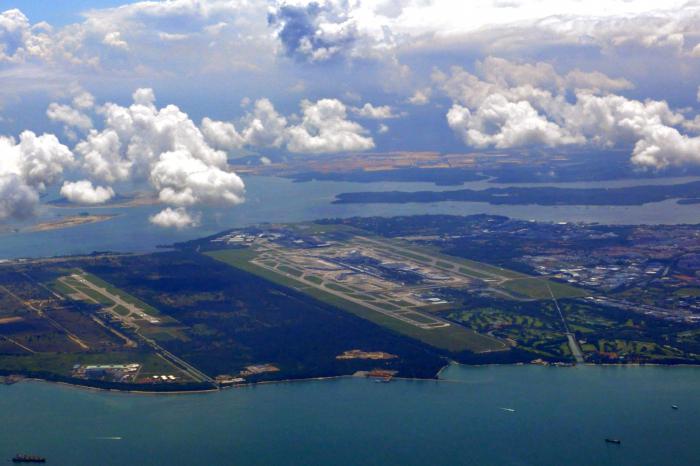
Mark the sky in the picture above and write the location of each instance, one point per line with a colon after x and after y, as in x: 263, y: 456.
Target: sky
x: 57, y: 13
x: 164, y: 94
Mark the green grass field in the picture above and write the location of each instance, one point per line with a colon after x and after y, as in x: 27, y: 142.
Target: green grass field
x: 94, y: 295
x: 314, y: 279
x: 290, y: 270
x: 536, y: 288
x: 453, y: 338
x: 147, y: 308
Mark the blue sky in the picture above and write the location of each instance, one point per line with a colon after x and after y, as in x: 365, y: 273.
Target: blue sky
x: 58, y: 13
x: 162, y: 93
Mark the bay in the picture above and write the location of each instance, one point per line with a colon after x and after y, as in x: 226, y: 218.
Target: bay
x: 272, y: 199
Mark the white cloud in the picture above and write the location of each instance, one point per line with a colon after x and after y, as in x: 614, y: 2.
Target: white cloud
x: 380, y: 112
x: 172, y: 37
x: 264, y: 126
x: 175, y: 218
x: 325, y: 128
x: 134, y: 137
x: 20, y: 40
x: 83, y: 192
x: 221, y: 135
x: 68, y: 116
x: 114, y: 39
x: 83, y: 100
x: 383, y: 129
x: 181, y: 179
x: 27, y: 168
x: 38, y: 160
x: 163, y: 147
x: 246, y: 34
x: 421, y: 96
x: 501, y: 123
x: 322, y: 128
x: 102, y: 156
x: 17, y: 199
x: 513, y: 105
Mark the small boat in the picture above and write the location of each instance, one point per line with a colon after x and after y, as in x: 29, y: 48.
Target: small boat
x: 674, y: 406
x: 613, y: 440
x: 28, y: 459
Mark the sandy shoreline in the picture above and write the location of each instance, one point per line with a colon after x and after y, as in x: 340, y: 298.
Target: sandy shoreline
x: 69, y: 222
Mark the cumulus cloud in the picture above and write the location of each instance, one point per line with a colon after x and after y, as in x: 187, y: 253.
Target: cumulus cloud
x: 322, y: 128
x: 17, y: 199
x: 314, y: 32
x: 325, y: 128
x: 513, y: 105
x: 20, y: 40
x: 380, y: 112
x: 420, y: 96
x: 501, y: 123
x: 175, y: 218
x: 37, y: 160
x: 184, y: 180
x: 134, y: 137
x: 220, y: 134
x: 162, y: 147
x: 114, y: 40
x: 68, y: 116
x: 83, y: 100
x: 27, y: 168
x: 265, y: 127
x: 83, y: 192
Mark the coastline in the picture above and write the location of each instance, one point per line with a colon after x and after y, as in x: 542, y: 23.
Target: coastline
x: 436, y: 378
x: 71, y: 221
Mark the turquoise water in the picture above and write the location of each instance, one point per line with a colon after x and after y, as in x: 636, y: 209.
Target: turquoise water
x: 562, y: 416
x: 271, y: 199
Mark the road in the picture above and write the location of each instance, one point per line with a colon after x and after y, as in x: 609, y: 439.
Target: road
x: 570, y: 337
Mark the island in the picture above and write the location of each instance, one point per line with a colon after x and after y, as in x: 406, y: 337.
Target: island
x: 548, y: 196
x: 69, y: 222
x: 367, y: 297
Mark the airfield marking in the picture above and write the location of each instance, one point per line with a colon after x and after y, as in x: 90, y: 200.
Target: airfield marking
x: 436, y: 322
x: 407, y: 253
x: 181, y: 364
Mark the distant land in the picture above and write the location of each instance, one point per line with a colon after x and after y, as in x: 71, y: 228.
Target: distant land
x: 120, y: 200
x: 69, y: 222
x: 439, y: 176
x: 521, y: 166
x: 632, y: 195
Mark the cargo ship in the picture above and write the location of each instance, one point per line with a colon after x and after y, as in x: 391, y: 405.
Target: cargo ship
x: 28, y: 459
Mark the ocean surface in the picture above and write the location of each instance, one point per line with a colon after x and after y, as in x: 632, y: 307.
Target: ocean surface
x: 271, y: 199
x: 508, y: 415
